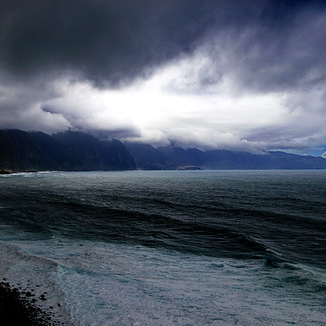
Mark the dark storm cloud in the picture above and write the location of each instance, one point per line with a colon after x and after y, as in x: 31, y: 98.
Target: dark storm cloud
x: 280, y: 47
x: 101, y: 40
x: 108, y: 41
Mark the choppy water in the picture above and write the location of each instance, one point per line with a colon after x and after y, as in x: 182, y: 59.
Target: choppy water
x: 169, y: 247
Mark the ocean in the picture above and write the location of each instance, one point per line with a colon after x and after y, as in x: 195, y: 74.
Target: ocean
x: 168, y: 247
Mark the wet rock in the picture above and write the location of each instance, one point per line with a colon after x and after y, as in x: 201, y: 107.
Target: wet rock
x: 17, y: 309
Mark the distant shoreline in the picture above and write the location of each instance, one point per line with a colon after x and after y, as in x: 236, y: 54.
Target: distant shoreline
x: 9, y: 172
x: 77, y: 151
x: 5, y: 171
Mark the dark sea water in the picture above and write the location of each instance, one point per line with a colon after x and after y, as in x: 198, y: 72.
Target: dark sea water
x: 168, y: 247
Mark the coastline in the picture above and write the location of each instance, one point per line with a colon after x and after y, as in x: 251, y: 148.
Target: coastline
x: 5, y: 171
x: 17, y: 308
x: 8, y: 171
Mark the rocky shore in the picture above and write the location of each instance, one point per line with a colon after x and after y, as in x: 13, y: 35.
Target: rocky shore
x: 4, y: 171
x: 17, y: 308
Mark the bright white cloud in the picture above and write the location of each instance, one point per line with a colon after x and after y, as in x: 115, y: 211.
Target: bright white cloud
x: 175, y: 104
x: 188, y: 101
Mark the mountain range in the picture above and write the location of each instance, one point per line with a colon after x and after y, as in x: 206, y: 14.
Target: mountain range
x: 78, y: 151
x: 68, y: 151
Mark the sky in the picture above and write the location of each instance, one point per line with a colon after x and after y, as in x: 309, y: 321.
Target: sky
x: 211, y: 74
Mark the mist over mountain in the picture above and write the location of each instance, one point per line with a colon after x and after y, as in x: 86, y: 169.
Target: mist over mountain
x: 78, y: 151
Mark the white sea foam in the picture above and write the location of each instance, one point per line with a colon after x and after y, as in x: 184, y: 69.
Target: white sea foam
x: 109, y: 284
x: 102, y: 284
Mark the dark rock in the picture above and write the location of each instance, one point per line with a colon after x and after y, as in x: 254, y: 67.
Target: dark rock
x: 17, y: 310
x: 3, y: 171
x: 42, y: 297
